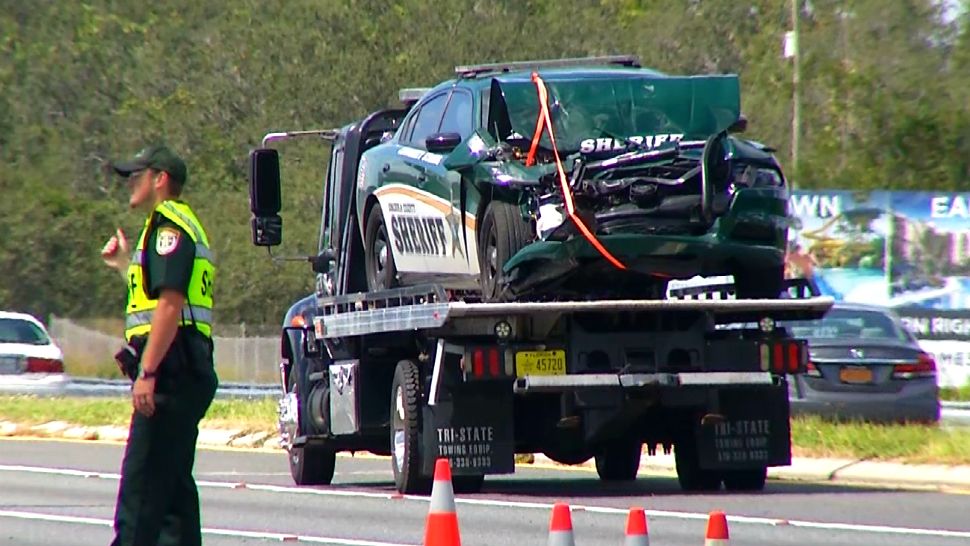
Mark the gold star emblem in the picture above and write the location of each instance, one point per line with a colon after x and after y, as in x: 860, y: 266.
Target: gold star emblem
x: 455, y: 242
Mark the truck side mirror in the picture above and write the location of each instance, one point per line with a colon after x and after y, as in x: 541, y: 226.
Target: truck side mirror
x: 442, y: 143
x: 264, y: 197
x: 323, y: 262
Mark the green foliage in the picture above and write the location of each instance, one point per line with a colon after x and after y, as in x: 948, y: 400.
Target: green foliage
x: 885, y: 103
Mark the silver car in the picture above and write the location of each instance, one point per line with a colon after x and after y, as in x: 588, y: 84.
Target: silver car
x: 864, y: 365
x: 30, y: 361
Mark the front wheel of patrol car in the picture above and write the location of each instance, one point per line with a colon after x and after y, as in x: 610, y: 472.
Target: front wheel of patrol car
x: 378, y: 258
x: 405, y: 430
x: 503, y: 233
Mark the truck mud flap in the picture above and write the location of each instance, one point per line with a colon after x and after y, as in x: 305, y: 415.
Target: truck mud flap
x: 475, y: 432
x: 755, y: 430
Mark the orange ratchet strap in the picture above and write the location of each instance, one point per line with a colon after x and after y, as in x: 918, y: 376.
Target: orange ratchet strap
x: 545, y: 121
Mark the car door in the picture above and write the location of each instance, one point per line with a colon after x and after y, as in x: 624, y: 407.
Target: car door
x: 414, y: 200
x: 462, y: 245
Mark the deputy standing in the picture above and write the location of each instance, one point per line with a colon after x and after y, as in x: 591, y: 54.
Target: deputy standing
x: 169, y: 314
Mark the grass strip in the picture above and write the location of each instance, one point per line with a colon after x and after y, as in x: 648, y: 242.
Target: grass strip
x: 257, y: 414
x: 811, y: 436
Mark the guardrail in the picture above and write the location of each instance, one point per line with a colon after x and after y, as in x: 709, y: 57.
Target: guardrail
x: 953, y: 413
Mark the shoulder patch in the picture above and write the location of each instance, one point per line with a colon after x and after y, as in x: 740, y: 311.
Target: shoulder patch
x: 167, y: 240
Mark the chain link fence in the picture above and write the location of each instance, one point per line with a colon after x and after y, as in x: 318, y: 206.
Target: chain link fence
x: 252, y: 357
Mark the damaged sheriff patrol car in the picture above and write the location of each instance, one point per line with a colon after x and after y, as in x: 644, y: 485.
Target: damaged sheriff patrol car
x: 579, y: 178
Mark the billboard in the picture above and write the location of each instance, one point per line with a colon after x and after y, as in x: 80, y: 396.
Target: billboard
x: 906, y: 250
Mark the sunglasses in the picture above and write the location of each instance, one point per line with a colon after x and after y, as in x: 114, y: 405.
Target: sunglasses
x: 135, y: 176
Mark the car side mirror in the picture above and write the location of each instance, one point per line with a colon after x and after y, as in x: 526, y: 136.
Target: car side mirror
x: 442, y: 143
x: 264, y: 197
x: 740, y: 125
x: 323, y: 262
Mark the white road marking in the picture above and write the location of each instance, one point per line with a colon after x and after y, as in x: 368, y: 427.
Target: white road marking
x: 239, y: 533
x: 772, y: 522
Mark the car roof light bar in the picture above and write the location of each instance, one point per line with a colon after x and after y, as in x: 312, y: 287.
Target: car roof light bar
x: 470, y: 71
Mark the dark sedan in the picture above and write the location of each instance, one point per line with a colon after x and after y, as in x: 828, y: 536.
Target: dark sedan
x: 864, y: 365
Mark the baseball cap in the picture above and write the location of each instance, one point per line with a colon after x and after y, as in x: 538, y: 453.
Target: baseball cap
x: 158, y: 157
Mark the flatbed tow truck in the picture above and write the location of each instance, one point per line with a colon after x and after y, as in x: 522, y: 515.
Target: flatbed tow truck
x: 422, y: 372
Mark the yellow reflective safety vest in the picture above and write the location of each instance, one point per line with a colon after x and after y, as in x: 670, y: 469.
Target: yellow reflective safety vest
x: 198, y: 305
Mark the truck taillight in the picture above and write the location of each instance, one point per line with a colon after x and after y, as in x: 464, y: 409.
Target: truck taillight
x: 784, y: 357
x: 812, y: 370
x: 925, y: 366
x: 44, y: 365
x: 478, y: 362
x: 486, y: 363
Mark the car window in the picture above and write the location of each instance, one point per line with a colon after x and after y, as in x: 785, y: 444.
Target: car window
x: 21, y: 331
x: 458, y: 115
x: 850, y: 323
x: 426, y: 123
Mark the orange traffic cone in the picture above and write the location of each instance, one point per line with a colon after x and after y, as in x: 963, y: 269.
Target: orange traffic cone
x: 561, y: 526
x: 636, y: 528
x: 442, y: 524
x: 717, y: 529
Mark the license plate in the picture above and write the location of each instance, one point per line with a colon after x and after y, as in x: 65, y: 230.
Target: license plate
x: 540, y: 363
x: 855, y: 374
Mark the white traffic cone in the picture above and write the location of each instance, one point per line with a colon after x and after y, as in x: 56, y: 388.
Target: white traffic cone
x: 441, y: 528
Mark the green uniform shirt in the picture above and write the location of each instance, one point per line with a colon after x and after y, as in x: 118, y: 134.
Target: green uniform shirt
x: 169, y: 255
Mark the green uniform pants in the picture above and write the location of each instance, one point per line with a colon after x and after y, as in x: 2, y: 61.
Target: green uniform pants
x: 158, y: 501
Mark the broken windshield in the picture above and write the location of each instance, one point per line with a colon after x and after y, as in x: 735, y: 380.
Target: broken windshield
x: 594, y: 112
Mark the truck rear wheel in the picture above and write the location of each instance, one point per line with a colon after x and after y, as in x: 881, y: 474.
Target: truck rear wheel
x: 312, y: 464
x: 468, y: 484
x: 309, y: 464
x: 503, y: 233
x: 619, y: 461
x: 689, y: 472
x: 406, y: 430
x: 745, y: 480
x: 378, y: 257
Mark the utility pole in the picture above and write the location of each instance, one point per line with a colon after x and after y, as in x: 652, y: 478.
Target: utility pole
x: 796, y: 110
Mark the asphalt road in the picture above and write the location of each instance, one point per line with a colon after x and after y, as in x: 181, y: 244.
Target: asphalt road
x: 57, y: 493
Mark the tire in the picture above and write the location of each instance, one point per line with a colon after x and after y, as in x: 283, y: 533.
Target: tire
x: 312, y: 464
x: 503, y: 233
x: 405, y: 430
x: 745, y: 480
x: 689, y: 473
x: 619, y: 462
x: 378, y: 257
x: 309, y: 464
x: 468, y: 484
x: 759, y: 283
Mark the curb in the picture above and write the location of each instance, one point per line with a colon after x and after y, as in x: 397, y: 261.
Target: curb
x: 828, y: 470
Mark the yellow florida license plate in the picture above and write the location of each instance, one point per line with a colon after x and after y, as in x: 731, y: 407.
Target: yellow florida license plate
x: 540, y: 363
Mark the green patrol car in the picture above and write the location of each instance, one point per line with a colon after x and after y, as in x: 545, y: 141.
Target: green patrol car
x: 647, y: 181
x: 621, y: 179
